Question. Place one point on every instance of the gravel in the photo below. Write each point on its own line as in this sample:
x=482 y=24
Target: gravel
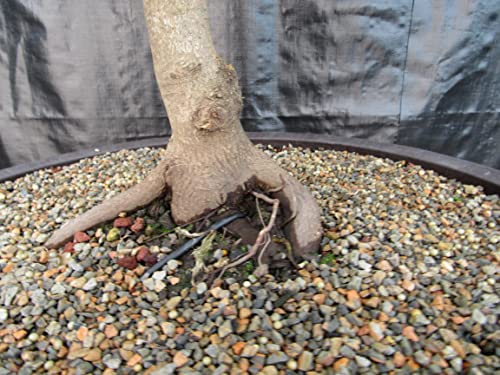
x=406 y=281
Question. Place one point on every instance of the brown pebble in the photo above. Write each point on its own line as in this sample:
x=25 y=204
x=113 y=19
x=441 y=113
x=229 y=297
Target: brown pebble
x=409 y=333
x=408 y=285
x=229 y=310
x=82 y=333
x=341 y=364
x=18 y=335
x=238 y=347
x=372 y=302
x=384 y=266
x=128 y=262
x=77 y=352
x=8 y=267
x=459 y=348
x=399 y=359
x=174 y=280
x=94 y=355
x=150 y=260
x=135 y=359
x=458 y=319
x=62 y=352
x=319 y=299
x=245 y=313
x=180 y=359
x=44 y=257
x=244 y=364
x=117 y=276
x=81 y=237
x=126 y=354
x=138 y=225
x=122 y=222
x=69 y=247
x=414 y=366
x=142 y=252
x=122 y=300
x=353 y=299
x=110 y=331
x=306 y=361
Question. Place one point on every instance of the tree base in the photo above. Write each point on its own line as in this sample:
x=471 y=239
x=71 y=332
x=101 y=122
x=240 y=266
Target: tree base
x=200 y=183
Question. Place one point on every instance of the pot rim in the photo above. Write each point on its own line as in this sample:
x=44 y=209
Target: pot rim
x=465 y=171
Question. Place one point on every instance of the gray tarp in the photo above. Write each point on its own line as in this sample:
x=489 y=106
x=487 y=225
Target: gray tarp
x=76 y=74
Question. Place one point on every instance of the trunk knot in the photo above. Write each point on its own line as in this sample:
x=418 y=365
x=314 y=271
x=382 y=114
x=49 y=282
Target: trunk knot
x=209 y=118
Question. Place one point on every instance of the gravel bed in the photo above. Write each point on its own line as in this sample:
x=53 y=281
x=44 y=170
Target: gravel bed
x=406 y=282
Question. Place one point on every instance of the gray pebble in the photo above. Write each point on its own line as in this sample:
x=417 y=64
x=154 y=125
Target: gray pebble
x=90 y=284
x=111 y=361
x=277 y=357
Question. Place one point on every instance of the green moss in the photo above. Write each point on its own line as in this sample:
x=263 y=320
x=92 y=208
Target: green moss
x=328 y=258
x=107 y=227
x=248 y=267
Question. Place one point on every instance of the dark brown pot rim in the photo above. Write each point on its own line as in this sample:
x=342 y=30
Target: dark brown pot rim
x=462 y=170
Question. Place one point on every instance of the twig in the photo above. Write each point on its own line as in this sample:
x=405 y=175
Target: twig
x=259 y=211
x=159 y=236
x=264 y=248
x=188 y=234
x=178 y=230
x=265 y=198
x=204 y=220
x=184 y=248
x=235 y=244
x=260 y=238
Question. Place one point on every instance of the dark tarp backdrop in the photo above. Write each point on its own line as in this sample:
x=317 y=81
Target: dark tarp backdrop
x=425 y=73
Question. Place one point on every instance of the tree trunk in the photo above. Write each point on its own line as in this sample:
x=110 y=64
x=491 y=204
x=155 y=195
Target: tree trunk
x=209 y=158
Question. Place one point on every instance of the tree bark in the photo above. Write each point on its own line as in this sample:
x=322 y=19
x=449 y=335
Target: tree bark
x=209 y=159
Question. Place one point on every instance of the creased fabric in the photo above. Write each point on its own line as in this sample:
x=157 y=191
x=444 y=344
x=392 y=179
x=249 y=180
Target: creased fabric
x=78 y=74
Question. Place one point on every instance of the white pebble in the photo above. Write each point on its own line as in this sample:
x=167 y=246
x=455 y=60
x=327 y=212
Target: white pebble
x=263 y=340
x=207 y=360
x=172 y=265
x=159 y=275
x=292 y=365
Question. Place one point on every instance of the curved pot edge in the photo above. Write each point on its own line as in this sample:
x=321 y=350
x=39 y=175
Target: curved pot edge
x=462 y=170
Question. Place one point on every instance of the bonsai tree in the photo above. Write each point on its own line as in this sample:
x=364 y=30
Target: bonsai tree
x=209 y=159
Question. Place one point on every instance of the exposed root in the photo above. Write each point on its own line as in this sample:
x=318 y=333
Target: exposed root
x=263 y=239
x=137 y=196
x=303 y=226
x=262 y=252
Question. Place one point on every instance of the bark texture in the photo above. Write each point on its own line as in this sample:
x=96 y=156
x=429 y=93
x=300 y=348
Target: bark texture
x=209 y=159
